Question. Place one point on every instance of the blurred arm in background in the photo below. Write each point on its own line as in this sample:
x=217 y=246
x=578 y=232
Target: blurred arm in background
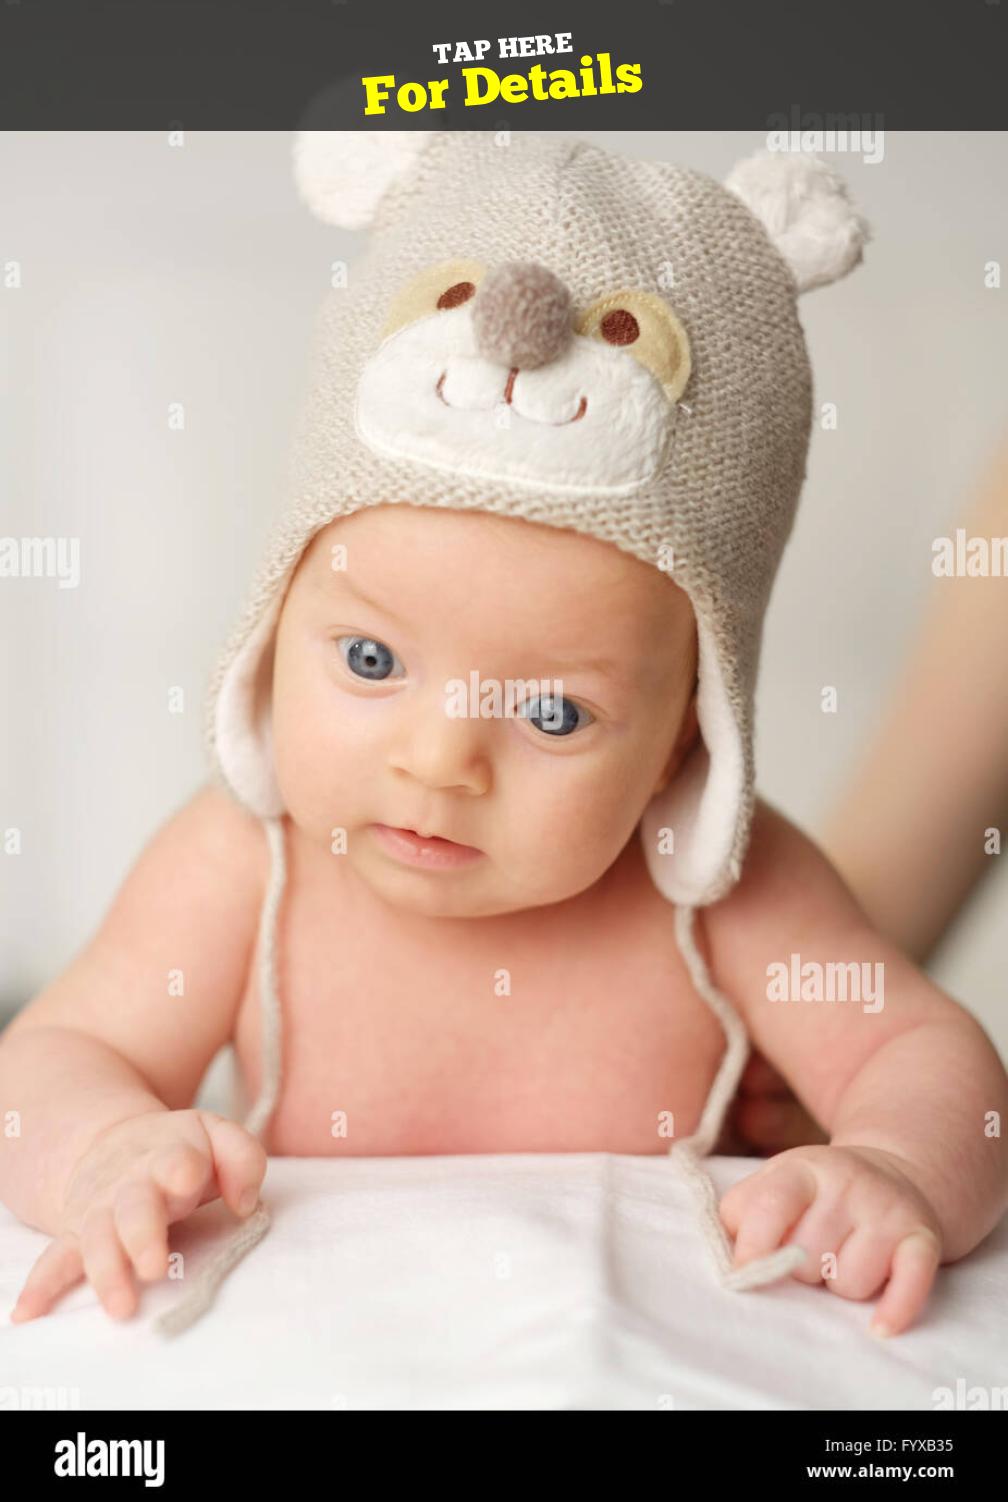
x=907 y=834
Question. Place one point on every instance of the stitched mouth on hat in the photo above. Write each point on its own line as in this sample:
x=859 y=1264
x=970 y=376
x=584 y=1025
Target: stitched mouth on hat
x=508 y=389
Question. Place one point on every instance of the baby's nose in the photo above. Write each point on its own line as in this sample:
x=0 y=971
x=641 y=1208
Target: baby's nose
x=442 y=751
x=522 y=316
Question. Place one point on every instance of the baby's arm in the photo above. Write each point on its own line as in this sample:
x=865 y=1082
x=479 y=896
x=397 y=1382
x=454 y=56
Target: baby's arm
x=954 y=763
x=906 y=1092
x=108 y=1040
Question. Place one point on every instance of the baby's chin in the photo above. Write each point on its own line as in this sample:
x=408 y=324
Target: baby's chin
x=475 y=891
x=481 y=889
x=430 y=899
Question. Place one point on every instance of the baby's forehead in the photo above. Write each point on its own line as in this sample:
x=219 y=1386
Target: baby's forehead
x=454 y=526
x=438 y=535
x=445 y=556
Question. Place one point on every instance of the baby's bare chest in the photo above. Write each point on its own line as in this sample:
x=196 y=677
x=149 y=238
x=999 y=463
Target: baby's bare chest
x=585 y=1039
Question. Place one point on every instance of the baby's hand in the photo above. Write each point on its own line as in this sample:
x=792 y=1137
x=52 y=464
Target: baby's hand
x=134 y=1180
x=853 y=1205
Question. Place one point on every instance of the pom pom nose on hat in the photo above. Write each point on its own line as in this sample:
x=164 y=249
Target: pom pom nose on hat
x=523 y=316
x=590 y=292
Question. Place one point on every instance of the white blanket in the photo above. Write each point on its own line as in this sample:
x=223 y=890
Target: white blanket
x=537 y=1281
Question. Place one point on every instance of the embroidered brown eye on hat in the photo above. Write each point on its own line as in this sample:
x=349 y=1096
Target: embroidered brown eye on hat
x=552 y=331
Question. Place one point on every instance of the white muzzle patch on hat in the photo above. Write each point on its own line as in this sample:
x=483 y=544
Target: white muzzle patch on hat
x=591 y=419
x=498 y=377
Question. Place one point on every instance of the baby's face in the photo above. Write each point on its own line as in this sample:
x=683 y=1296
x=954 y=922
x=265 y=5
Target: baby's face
x=547 y=786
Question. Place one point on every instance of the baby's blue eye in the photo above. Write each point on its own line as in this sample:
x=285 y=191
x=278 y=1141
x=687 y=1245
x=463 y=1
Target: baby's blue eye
x=367 y=658
x=554 y=717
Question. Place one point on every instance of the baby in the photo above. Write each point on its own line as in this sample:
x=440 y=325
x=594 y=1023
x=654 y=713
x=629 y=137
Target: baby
x=487 y=716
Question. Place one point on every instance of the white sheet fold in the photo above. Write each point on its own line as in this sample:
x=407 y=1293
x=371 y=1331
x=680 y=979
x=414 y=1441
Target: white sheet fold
x=540 y=1281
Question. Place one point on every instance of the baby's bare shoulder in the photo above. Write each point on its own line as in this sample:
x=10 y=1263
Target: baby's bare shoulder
x=209 y=856
x=788 y=900
x=161 y=979
x=221 y=830
x=789 y=910
x=785 y=877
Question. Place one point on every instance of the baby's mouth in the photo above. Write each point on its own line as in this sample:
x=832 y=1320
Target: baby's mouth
x=432 y=839
x=508 y=389
x=432 y=851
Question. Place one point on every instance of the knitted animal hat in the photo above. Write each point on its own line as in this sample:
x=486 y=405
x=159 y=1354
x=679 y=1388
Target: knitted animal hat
x=550 y=331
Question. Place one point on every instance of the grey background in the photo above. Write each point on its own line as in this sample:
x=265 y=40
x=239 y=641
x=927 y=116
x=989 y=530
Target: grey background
x=154 y=274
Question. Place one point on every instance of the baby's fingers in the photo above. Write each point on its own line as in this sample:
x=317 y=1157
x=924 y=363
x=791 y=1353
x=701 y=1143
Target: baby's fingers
x=58 y=1268
x=761 y=1210
x=181 y=1170
x=141 y=1223
x=106 y=1264
x=914 y=1264
x=240 y=1161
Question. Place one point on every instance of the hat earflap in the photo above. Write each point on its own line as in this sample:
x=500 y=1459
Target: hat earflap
x=243 y=724
x=689 y=830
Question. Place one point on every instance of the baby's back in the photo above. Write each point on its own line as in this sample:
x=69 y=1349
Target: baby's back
x=572 y=1028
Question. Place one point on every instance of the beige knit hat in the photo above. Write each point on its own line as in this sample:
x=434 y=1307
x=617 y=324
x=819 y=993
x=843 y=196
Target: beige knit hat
x=548 y=330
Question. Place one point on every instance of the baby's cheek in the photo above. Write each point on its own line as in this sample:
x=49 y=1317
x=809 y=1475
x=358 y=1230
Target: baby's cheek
x=309 y=755
x=567 y=832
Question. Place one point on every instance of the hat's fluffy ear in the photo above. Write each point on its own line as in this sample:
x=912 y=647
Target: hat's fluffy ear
x=806 y=209
x=342 y=175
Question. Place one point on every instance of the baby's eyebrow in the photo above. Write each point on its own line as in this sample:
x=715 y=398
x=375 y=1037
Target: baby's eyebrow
x=607 y=667
x=366 y=599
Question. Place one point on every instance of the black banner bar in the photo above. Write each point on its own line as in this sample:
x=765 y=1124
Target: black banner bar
x=703 y=64
x=933 y=1454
